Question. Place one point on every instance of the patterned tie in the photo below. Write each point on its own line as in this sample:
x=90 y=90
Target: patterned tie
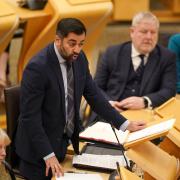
x=140 y=69
x=70 y=99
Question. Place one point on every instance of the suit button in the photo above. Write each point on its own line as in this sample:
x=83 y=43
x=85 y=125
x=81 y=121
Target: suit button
x=133 y=90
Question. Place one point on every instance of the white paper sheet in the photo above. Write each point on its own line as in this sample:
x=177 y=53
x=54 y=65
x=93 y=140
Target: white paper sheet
x=78 y=176
x=102 y=161
x=154 y=129
x=101 y=131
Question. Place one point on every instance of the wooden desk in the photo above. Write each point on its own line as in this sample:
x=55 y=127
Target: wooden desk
x=152 y=159
x=6 y=10
x=25 y=13
x=143 y=114
x=35 y=21
x=170 y=109
x=171 y=143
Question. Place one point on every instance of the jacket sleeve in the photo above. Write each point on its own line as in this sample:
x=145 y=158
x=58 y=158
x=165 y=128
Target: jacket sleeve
x=32 y=95
x=167 y=84
x=99 y=104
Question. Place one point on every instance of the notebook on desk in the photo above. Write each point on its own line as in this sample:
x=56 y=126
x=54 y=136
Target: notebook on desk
x=99 y=158
x=103 y=132
x=102 y=163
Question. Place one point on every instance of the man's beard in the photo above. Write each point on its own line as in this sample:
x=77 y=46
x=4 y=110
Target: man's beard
x=71 y=57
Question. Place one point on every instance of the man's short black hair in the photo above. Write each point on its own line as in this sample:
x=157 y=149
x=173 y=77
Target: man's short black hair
x=68 y=25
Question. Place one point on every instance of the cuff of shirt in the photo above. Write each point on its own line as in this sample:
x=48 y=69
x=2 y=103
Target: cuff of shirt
x=149 y=101
x=124 y=126
x=48 y=156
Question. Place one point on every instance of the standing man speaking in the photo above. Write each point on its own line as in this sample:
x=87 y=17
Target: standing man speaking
x=52 y=86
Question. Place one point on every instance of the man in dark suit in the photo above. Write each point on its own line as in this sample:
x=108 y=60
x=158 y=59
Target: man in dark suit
x=52 y=86
x=138 y=74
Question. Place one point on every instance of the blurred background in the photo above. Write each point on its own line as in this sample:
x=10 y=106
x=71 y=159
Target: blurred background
x=29 y=25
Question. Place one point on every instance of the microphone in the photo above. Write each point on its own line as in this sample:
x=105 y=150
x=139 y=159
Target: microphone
x=120 y=145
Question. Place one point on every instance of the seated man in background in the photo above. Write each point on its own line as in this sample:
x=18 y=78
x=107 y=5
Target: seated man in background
x=140 y=73
x=174 y=45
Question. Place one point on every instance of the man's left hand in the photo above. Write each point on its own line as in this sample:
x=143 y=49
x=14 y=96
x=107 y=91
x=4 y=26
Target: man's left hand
x=133 y=102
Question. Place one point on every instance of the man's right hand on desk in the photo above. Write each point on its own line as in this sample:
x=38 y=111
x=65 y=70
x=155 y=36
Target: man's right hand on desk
x=132 y=125
x=136 y=125
x=53 y=164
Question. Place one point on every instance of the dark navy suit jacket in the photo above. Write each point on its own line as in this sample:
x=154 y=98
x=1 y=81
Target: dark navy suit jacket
x=42 y=118
x=159 y=78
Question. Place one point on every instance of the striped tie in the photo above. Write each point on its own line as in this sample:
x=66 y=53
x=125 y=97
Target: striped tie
x=70 y=97
x=140 y=69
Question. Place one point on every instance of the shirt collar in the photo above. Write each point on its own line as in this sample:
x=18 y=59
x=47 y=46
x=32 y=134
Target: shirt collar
x=60 y=58
x=135 y=53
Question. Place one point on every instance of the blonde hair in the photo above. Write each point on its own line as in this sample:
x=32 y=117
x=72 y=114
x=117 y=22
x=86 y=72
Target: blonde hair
x=4 y=137
x=144 y=15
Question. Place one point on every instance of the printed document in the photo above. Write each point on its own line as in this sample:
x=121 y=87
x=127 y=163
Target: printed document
x=101 y=161
x=79 y=176
x=103 y=132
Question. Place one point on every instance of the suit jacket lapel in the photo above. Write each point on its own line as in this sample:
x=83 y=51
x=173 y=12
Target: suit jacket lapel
x=54 y=63
x=124 y=66
x=149 y=69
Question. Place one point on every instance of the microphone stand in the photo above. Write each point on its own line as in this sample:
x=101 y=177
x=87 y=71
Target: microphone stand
x=127 y=166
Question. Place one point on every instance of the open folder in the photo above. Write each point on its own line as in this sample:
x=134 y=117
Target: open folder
x=103 y=132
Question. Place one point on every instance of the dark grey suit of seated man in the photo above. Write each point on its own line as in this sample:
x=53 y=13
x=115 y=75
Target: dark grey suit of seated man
x=129 y=83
